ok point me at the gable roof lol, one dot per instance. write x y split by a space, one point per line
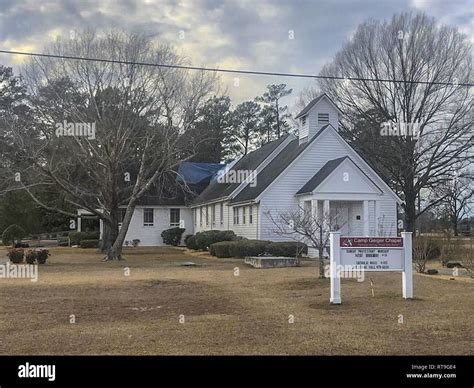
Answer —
321 175
249 162
274 168
327 170
288 155
308 107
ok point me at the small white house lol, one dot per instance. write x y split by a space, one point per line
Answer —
316 170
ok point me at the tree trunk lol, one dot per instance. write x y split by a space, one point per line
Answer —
106 241
321 257
115 250
112 253
321 266
410 211
455 225
110 233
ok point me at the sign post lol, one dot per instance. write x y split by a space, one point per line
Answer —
407 274
335 261
370 254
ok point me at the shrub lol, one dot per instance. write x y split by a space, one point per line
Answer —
31 256
63 242
16 255
22 245
186 238
435 249
42 255
77 237
287 248
172 236
205 239
12 233
424 249
244 248
190 242
222 249
135 242
89 244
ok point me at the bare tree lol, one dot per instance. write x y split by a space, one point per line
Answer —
139 114
305 96
423 250
305 225
467 260
383 229
420 70
457 199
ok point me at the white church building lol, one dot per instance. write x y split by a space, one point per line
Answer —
316 170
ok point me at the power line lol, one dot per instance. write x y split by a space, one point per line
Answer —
234 71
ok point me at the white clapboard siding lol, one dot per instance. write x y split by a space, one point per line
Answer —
245 230
303 129
203 226
323 106
151 235
356 227
279 197
388 216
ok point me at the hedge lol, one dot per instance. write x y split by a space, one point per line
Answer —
172 236
89 244
190 242
63 242
221 249
77 237
22 245
203 240
244 248
286 248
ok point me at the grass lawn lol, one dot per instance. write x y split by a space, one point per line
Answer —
223 313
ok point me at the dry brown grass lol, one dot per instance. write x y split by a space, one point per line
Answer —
224 314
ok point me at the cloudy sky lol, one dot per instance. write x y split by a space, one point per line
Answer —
238 34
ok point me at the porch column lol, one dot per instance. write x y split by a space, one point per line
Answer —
326 215
79 226
366 217
378 225
326 211
314 208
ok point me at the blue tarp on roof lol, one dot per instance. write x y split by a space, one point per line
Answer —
193 173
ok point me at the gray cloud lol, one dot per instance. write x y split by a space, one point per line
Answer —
241 33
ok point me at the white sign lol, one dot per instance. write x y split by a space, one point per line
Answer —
373 259
374 254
